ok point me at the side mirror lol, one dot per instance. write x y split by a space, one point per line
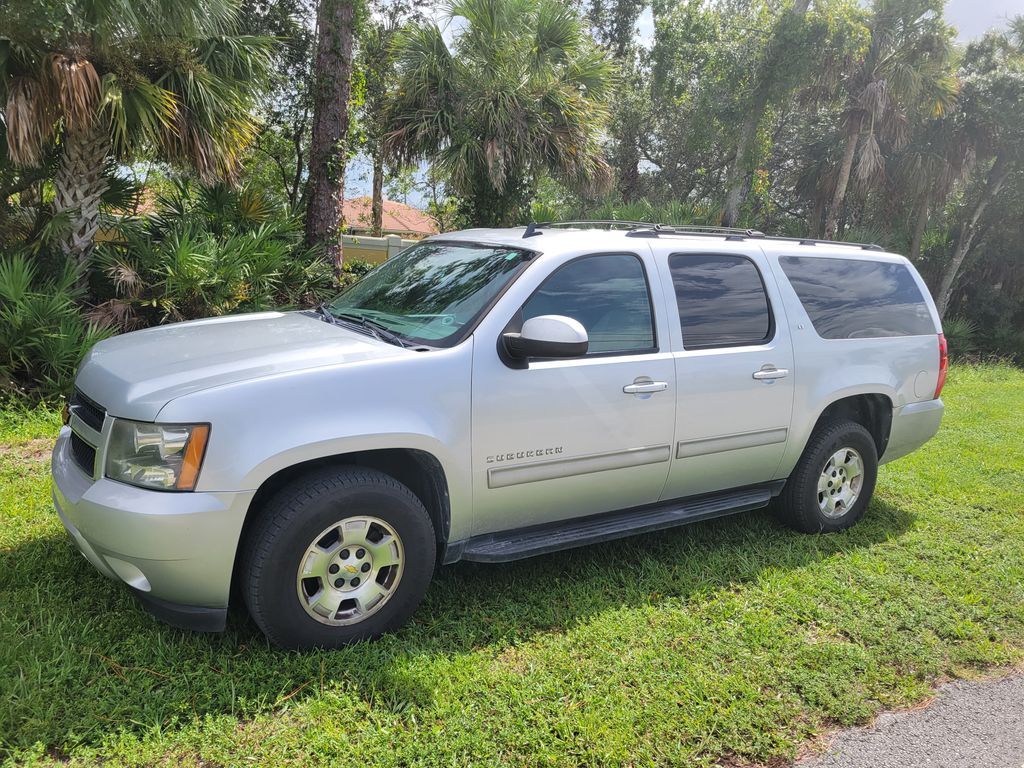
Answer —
548 336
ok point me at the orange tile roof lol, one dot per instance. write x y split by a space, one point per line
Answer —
399 219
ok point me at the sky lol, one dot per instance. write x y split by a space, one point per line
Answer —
972 18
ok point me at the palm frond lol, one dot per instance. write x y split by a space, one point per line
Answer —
30 117
74 82
137 114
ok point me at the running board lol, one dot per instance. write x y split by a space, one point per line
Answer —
579 532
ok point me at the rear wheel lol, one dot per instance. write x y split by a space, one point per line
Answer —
336 557
833 482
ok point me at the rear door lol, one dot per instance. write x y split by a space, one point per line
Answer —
734 368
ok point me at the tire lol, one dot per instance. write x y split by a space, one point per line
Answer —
801 506
381 559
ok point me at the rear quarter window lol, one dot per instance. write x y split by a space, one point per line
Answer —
854 299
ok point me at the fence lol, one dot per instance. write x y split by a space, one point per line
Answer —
373 249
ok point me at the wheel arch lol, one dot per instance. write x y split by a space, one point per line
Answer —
872 410
421 472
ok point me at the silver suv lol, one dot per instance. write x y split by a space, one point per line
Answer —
491 395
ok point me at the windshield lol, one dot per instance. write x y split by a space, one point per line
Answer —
428 293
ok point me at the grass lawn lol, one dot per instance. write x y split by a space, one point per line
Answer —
734 640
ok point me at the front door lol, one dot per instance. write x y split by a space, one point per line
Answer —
563 438
735 372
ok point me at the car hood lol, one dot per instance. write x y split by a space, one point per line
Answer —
134 375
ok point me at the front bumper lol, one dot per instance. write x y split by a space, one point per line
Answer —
175 550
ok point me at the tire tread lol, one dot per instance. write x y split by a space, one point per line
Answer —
284 509
793 508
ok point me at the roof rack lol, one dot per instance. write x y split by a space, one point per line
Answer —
649 229
730 233
534 227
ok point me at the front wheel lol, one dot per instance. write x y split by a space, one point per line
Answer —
832 484
337 556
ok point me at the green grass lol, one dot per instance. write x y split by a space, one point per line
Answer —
734 639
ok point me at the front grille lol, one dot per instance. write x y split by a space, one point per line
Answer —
83 454
87 410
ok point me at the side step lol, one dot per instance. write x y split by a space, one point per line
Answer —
579 532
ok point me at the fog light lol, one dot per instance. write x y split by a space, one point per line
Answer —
129 574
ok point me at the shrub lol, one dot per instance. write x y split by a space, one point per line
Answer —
209 253
960 333
354 270
43 335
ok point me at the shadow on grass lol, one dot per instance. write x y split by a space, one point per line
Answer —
79 657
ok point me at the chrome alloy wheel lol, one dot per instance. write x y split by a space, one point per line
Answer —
840 483
350 570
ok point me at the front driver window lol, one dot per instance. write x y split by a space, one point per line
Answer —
608 295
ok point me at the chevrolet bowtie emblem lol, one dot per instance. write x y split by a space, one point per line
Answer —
351 569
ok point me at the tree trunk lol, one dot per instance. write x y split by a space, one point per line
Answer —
377 207
920 224
629 178
817 217
332 86
835 208
626 158
736 181
78 187
996 178
298 132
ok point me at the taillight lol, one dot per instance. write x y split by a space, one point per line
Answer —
943 365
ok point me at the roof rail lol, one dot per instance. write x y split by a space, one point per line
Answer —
742 234
649 229
534 227
729 233
812 241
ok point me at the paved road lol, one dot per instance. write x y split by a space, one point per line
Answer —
969 725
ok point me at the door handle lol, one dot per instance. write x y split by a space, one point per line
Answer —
645 387
770 372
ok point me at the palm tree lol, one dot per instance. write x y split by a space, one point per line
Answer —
521 92
904 69
377 62
925 173
98 81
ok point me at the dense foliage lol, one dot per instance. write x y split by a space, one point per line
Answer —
92 82
522 91
829 118
207 252
164 149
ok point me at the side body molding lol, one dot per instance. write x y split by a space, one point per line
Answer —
724 443
502 477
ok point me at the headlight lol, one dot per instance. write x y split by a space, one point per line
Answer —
162 456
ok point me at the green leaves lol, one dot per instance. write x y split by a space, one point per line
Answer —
43 335
211 251
521 91
138 116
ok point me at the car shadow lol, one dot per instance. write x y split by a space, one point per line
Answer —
84 658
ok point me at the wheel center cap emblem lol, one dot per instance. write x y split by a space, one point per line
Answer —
351 569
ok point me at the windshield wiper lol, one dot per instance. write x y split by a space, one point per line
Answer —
376 329
325 313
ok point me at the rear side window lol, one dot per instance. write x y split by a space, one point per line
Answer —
608 295
721 300
852 299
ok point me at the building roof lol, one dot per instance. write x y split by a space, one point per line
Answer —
399 219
